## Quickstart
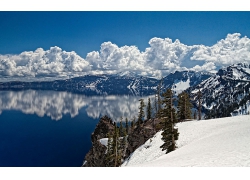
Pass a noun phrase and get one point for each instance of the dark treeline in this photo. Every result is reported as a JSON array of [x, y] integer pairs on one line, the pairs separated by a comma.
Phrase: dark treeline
[[162, 110]]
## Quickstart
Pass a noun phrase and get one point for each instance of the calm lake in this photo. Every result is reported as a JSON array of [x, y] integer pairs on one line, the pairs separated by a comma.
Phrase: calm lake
[[53, 129]]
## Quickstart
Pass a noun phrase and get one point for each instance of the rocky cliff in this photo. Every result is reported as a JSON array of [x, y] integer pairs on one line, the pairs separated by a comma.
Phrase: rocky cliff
[[137, 136], [96, 155]]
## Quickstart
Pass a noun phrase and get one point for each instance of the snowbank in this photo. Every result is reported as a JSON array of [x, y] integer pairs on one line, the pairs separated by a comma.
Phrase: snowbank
[[219, 142], [104, 141]]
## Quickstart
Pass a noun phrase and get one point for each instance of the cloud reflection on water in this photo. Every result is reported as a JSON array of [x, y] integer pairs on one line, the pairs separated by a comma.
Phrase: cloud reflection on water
[[56, 104]]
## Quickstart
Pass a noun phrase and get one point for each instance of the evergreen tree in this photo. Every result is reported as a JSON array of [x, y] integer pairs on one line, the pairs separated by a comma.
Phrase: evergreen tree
[[115, 147], [199, 106], [109, 149], [159, 103], [149, 109], [119, 153], [188, 107], [184, 106], [195, 114], [141, 112], [133, 123], [170, 133], [155, 106], [121, 128], [181, 107], [126, 125]]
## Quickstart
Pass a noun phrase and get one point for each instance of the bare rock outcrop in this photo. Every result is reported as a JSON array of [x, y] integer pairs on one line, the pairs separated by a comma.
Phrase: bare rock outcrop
[[137, 136], [96, 155]]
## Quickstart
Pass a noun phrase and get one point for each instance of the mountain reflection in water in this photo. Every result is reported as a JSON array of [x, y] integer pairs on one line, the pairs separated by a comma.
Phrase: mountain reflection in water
[[56, 104], [28, 137]]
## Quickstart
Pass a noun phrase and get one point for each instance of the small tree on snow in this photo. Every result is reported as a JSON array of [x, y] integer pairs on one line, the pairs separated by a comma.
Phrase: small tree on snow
[[149, 109], [195, 114], [126, 125], [109, 149], [199, 105], [184, 106], [170, 132], [121, 127], [141, 112]]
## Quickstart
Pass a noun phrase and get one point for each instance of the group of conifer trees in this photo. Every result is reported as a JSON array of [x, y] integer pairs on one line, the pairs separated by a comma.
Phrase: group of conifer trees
[[184, 107], [165, 109], [168, 118], [117, 142]]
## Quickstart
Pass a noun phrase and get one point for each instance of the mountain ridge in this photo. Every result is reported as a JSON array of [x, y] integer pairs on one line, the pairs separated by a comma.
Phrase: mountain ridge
[[104, 84], [225, 92]]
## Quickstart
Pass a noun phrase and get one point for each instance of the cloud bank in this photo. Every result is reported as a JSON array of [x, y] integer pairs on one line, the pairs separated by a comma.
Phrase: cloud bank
[[162, 57], [41, 63]]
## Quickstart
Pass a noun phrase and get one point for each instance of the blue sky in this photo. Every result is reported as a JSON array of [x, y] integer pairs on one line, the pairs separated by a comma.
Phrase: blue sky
[[53, 44], [85, 31]]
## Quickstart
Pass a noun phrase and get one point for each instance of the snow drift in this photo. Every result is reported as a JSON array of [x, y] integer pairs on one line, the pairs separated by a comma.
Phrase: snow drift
[[219, 142]]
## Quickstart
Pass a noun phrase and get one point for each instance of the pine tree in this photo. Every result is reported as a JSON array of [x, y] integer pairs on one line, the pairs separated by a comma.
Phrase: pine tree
[[133, 123], [141, 112], [181, 107], [121, 128], [149, 109], [155, 106], [119, 152], [126, 125], [159, 103], [109, 149], [195, 114], [115, 147], [199, 106], [188, 107], [184, 106], [170, 133]]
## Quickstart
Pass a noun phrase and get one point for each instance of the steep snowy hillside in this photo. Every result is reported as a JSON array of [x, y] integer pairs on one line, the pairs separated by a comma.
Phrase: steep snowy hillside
[[219, 142], [181, 80], [226, 93]]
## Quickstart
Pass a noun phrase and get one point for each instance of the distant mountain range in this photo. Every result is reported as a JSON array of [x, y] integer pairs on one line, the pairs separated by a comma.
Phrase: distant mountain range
[[125, 83], [226, 93], [182, 80]]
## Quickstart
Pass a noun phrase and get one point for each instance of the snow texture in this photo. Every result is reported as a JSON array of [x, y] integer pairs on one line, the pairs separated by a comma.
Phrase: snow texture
[[219, 142], [181, 86], [104, 141]]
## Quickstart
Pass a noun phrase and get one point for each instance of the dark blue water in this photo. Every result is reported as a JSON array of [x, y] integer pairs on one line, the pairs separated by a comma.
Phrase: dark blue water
[[53, 129], [30, 141]]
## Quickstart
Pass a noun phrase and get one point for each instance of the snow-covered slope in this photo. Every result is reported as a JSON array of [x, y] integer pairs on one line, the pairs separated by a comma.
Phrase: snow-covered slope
[[224, 92], [181, 80], [219, 142]]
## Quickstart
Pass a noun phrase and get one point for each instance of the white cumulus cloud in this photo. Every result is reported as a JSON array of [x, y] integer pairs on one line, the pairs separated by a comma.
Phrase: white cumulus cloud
[[232, 49], [114, 58], [208, 66], [40, 63], [162, 57]]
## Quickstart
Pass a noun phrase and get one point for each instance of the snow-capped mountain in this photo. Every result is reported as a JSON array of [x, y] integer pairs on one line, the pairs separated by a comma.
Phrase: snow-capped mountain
[[104, 84], [127, 74], [181, 80], [226, 93], [117, 84]]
